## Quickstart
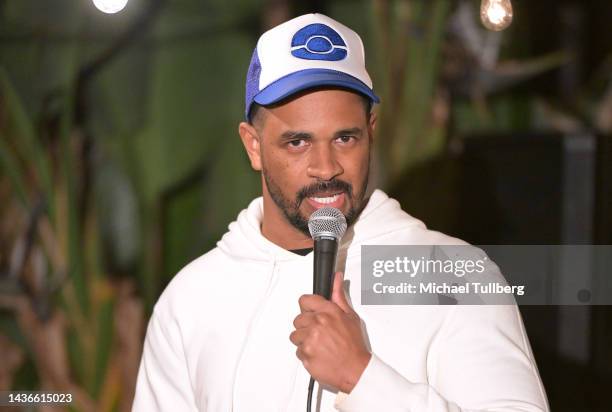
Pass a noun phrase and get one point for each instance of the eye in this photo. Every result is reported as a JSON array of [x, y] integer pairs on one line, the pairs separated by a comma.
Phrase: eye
[[345, 139], [296, 144]]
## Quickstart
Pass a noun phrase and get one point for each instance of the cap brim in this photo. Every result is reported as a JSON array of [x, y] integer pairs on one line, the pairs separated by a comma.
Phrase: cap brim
[[309, 79]]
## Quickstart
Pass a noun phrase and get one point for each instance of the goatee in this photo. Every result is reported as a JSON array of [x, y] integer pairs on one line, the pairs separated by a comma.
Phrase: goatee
[[291, 209]]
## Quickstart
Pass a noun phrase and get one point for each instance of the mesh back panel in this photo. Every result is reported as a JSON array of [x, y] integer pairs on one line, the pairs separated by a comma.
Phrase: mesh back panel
[[252, 82]]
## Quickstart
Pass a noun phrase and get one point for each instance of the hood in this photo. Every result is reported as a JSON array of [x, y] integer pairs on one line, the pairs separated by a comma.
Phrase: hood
[[381, 216]]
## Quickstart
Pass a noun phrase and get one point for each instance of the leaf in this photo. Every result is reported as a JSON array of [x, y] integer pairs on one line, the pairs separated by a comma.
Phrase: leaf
[[15, 174], [21, 132]]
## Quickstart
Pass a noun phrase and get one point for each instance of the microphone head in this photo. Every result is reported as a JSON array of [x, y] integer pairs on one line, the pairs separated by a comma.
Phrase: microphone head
[[327, 222]]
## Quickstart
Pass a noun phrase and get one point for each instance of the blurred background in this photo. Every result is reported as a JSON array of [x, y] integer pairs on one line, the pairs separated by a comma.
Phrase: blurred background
[[120, 162]]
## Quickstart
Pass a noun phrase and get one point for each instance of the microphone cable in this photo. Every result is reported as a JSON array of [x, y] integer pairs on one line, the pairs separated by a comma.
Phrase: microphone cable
[[310, 389]]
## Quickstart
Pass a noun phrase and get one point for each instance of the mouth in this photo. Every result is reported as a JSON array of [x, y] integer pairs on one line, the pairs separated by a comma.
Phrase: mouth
[[326, 200]]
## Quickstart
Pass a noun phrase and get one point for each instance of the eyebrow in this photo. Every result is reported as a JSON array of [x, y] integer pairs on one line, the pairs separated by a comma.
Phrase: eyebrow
[[295, 135], [357, 131]]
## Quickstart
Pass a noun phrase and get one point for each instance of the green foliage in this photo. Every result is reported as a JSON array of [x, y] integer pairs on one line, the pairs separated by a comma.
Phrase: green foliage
[[19, 130], [408, 44]]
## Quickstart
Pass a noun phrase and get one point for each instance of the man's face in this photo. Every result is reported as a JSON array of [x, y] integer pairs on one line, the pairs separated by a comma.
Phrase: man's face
[[314, 151]]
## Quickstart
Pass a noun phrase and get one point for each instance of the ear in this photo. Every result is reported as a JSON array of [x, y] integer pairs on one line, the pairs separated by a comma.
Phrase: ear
[[372, 124], [250, 140]]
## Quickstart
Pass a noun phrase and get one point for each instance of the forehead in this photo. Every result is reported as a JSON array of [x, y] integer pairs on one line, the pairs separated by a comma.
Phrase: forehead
[[318, 110]]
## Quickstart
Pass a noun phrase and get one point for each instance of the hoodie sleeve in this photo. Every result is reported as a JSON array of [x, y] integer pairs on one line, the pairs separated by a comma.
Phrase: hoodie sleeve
[[481, 361], [163, 381]]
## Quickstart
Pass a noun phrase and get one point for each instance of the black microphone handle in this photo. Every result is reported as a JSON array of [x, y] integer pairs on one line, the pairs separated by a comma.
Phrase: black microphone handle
[[324, 264], [325, 251]]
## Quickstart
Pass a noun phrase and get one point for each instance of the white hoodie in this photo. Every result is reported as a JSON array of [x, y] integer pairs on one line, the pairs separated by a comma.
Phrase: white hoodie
[[218, 339]]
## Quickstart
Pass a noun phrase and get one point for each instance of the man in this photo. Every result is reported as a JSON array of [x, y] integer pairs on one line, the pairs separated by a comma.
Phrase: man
[[238, 328]]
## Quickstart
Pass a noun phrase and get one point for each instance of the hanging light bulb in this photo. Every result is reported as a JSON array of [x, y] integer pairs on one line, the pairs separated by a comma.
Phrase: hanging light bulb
[[110, 6], [496, 15]]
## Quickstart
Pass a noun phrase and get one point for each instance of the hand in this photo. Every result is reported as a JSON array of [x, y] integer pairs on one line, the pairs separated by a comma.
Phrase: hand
[[329, 339]]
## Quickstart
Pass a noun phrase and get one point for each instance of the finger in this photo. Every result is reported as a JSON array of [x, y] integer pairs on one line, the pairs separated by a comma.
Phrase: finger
[[299, 353], [313, 303], [304, 320], [304, 352], [297, 336], [338, 296]]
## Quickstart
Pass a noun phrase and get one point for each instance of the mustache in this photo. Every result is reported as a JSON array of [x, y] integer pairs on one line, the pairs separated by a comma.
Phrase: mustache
[[327, 185]]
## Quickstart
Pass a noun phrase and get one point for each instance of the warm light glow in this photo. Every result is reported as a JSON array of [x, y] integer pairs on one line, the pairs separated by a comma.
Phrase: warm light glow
[[496, 15], [110, 6]]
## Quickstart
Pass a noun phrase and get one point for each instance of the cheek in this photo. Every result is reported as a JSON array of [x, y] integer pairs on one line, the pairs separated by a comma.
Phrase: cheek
[[356, 165], [287, 172]]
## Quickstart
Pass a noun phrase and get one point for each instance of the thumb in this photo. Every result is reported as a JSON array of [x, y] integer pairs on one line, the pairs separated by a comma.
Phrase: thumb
[[338, 296]]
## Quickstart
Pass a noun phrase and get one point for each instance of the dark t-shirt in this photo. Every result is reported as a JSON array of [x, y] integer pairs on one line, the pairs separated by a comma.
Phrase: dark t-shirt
[[302, 252]]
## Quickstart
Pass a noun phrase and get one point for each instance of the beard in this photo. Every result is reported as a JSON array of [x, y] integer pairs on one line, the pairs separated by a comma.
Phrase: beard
[[291, 207]]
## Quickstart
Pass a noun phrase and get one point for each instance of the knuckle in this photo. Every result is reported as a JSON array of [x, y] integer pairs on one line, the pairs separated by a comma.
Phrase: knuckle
[[322, 319], [315, 333], [306, 350]]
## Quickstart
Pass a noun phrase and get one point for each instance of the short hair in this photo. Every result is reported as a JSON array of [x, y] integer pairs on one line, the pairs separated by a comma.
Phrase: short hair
[[255, 112]]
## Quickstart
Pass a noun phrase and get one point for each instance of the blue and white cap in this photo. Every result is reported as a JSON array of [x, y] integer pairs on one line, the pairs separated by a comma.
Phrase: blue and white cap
[[309, 51]]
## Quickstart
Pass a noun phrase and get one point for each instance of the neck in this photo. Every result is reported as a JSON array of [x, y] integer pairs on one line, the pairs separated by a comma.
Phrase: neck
[[276, 228]]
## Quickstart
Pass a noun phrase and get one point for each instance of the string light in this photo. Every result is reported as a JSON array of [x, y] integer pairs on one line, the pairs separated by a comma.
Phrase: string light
[[496, 15], [110, 6]]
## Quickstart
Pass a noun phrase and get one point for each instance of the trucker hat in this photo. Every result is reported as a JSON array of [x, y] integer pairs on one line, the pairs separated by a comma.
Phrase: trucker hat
[[308, 51]]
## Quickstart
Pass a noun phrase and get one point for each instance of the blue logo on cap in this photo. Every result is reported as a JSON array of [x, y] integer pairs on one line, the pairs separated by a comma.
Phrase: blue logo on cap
[[318, 42]]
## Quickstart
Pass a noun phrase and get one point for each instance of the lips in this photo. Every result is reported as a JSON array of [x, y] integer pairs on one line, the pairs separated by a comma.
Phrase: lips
[[326, 200]]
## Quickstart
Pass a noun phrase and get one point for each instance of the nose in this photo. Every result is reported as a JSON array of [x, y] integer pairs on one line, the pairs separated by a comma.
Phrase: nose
[[323, 163]]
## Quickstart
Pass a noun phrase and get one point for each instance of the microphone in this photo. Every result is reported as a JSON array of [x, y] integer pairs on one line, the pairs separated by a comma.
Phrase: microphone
[[327, 225]]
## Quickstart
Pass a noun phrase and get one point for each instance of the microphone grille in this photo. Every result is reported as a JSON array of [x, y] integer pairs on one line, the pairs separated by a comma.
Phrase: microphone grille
[[327, 221]]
